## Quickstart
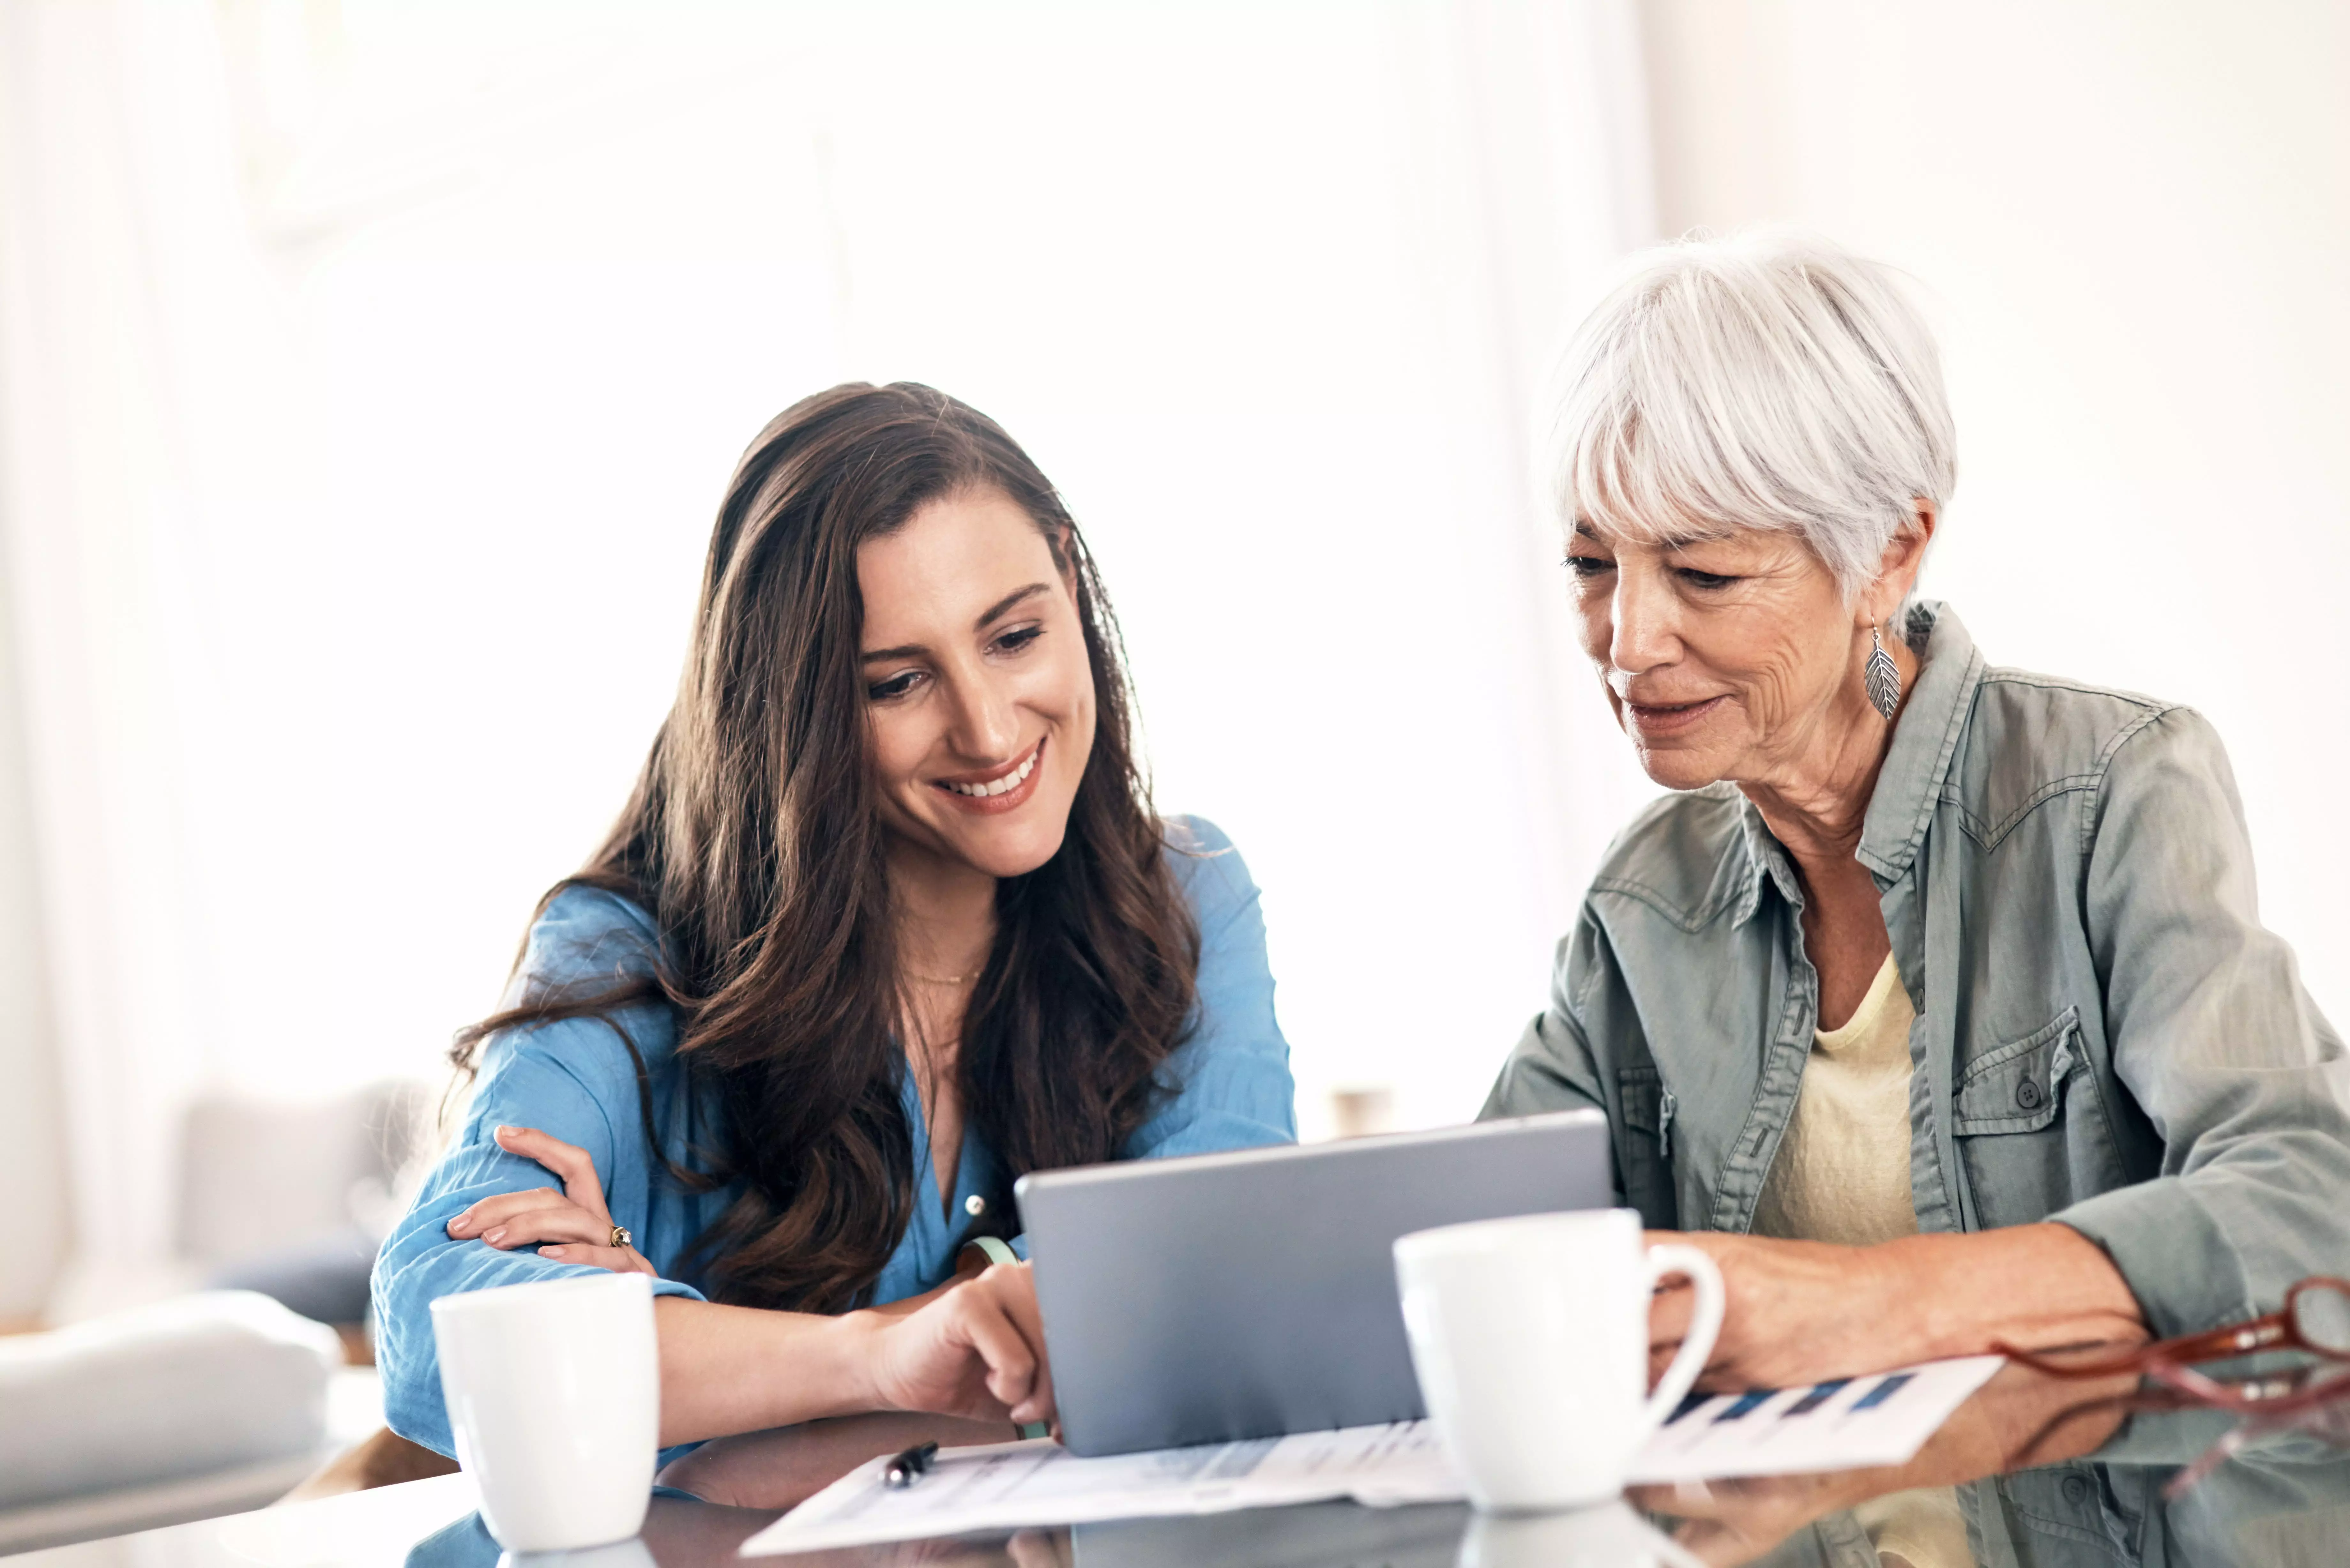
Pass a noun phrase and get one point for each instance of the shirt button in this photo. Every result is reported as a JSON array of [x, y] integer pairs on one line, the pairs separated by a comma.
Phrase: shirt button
[[2027, 1095], [974, 1206], [2076, 1491]]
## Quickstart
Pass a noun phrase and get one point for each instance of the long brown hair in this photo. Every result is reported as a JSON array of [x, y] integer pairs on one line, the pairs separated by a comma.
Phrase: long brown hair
[[755, 841]]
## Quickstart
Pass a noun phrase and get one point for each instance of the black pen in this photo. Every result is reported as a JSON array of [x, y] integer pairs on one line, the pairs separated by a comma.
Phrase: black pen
[[910, 1466]]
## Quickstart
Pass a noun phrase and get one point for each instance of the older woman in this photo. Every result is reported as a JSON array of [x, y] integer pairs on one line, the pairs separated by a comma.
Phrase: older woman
[[1934, 998]]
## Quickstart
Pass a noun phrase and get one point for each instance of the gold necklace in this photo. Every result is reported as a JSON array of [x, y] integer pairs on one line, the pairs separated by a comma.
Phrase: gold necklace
[[938, 979]]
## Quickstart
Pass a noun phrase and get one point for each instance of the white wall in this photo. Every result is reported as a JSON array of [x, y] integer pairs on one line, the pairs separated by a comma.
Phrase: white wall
[[1268, 315], [32, 1158], [32, 1161], [2135, 219], [372, 370]]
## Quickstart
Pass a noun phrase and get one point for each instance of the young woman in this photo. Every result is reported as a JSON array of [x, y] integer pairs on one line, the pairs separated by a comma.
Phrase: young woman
[[888, 921]]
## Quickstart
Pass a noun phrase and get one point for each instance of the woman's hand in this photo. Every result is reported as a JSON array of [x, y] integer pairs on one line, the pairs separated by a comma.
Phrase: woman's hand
[[570, 1227], [1794, 1312], [977, 1351], [1805, 1312]]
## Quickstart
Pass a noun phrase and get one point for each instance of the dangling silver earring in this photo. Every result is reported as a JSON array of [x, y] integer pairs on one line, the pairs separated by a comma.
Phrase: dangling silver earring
[[1881, 676]]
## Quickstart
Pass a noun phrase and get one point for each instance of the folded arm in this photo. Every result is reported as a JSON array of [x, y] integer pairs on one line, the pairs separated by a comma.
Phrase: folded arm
[[964, 1352], [971, 1349], [539, 1085]]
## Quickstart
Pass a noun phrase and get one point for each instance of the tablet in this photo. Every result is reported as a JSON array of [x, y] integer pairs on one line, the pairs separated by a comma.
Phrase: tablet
[[1253, 1294]]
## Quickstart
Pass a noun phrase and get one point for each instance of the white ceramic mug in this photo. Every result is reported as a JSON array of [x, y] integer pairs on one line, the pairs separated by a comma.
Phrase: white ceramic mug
[[554, 1393], [1531, 1339]]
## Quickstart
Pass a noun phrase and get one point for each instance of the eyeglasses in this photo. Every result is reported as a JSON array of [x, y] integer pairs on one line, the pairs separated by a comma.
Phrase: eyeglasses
[[2277, 1396], [2314, 1400], [2316, 1318]]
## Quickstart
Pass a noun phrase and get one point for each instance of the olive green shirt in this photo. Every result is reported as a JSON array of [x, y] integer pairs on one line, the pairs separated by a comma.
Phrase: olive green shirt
[[2105, 1034]]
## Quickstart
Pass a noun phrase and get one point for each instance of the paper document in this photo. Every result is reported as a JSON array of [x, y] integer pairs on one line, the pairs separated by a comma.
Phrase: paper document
[[1004, 1486], [1851, 1424]]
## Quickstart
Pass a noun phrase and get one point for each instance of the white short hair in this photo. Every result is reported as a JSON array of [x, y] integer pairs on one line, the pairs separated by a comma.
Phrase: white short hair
[[1771, 380]]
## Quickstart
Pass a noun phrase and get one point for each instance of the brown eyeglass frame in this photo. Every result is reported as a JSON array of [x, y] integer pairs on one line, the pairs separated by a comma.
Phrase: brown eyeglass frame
[[2288, 1394], [2265, 1408], [2273, 1332], [2276, 1403]]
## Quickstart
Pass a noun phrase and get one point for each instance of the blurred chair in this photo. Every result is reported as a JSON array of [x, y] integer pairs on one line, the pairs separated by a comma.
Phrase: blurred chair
[[214, 1381], [204, 1405], [293, 1200], [289, 1198]]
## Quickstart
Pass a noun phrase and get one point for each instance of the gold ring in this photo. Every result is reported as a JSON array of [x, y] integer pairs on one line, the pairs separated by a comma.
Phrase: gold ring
[[620, 1236]]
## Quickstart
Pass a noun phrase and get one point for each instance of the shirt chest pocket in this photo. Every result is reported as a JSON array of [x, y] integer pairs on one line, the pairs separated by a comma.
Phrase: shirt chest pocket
[[1645, 1146], [2031, 1132], [2019, 1087]]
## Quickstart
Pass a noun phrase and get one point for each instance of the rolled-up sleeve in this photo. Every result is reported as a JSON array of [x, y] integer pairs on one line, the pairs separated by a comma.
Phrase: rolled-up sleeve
[[547, 1079], [2242, 1079]]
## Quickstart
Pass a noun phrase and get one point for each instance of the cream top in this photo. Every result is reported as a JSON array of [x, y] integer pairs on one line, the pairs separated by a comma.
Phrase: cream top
[[1842, 1173]]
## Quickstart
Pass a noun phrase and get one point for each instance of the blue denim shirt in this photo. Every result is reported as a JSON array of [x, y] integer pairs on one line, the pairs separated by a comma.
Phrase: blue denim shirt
[[2105, 1036], [574, 1079]]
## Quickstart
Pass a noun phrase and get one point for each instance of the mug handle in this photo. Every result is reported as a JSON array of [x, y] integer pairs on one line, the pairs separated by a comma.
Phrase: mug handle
[[1705, 1324]]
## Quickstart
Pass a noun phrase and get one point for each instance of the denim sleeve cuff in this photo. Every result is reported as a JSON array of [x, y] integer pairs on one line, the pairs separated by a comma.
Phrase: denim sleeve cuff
[[1020, 1246], [2171, 1253]]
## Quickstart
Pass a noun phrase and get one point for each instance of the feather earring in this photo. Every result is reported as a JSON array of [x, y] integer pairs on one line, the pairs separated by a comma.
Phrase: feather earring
[[1881, 678]]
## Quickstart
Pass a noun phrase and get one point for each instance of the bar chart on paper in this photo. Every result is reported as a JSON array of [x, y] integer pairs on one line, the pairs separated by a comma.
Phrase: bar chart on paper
[[1852, 1423]]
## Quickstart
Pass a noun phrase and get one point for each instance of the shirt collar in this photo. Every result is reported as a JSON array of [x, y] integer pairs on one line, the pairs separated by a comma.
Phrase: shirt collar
[[1924, 739], [1766, 861]]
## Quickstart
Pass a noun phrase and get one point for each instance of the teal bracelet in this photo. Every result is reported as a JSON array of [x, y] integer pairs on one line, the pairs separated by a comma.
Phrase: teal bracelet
[[996, 1249]]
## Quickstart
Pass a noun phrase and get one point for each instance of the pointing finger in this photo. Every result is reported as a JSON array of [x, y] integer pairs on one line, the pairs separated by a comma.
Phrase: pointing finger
[[1011, 1366], [1014, 1290]]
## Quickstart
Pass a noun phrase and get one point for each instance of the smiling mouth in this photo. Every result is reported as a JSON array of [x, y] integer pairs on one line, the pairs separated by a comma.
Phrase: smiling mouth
[[1004, 783], [1659, 716]]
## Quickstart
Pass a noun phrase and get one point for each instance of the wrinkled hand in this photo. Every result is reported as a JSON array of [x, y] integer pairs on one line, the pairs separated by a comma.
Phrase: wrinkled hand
[[570, 1227], [1724, 1523], [976, 1350], [1795, 1312], [1802, 1311]]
